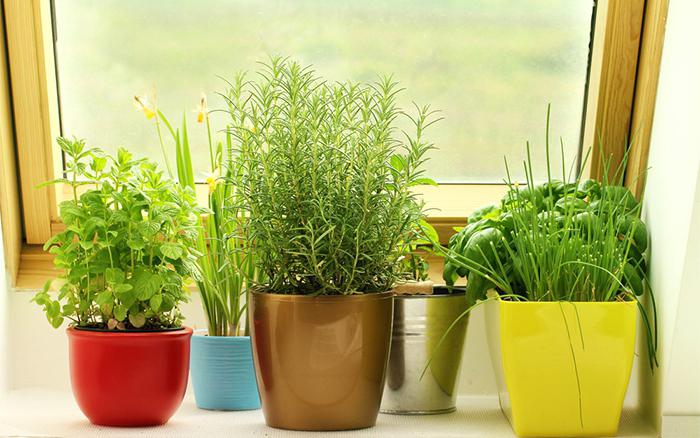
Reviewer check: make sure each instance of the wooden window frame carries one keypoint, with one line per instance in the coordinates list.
(620, 96)
(9, 189)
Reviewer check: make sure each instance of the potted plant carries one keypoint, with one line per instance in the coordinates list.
(422, 315)
(326, 182)
(125, 255)
(221, 361)
(566, 259)
(415, 266)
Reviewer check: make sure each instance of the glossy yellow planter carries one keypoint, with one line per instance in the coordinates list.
(562, 368)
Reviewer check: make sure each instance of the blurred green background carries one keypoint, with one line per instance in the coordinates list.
(490, 66)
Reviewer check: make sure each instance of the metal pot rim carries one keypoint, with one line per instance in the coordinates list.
(322, 298)
(457, 291)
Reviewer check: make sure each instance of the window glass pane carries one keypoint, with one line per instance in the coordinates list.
(490, 66)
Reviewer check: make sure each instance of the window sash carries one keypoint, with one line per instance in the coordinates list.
(606, 120)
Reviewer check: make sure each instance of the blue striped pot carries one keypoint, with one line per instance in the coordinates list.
(222, 372)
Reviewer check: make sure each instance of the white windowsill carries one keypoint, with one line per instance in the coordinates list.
(44, 413)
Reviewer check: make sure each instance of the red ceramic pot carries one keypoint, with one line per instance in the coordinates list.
(129, 378)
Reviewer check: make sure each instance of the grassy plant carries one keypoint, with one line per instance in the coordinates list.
(126, 249)
(225, 265)
(560, 240)
(326, 178)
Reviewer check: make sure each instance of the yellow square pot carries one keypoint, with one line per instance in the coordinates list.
(562, 368)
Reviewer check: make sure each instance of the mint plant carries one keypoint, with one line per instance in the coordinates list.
(126, 251)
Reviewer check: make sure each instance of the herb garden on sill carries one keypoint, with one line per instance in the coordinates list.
(309, 260)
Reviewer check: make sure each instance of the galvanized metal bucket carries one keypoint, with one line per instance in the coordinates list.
(420, 321)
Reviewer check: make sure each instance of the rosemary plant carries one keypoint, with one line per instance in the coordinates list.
(225, 264)
(326, 179)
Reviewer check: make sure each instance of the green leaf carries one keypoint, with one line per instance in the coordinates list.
(147, 285)
(54, 240)
(424, 182)
(122, 288)
(104, 298)
(171, 250)
(56, 321)
(137, 320)
(398, 162)
(114, 275)
(123, 156)
(429, 231)
(168, 303)
(98, 163)
(186, 158)
(70, 212)
(106, 308)
(120, 312)
(149, 228)
(136, 244)
(53, 309)
(155, 302)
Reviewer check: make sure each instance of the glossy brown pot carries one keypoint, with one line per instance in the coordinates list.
(320, 361)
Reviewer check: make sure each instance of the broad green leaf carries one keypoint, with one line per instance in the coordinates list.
(122, 288)
(136, 244)
(114, 275)
(98, 163)
(155, 302)
(398, 162)
(147, 285)
(56, 321)
(137, 320)
(106, 308)
(120, 312)
(53, 309)
(171, 250)
(104, 298)
(149, 228)
(429, 231)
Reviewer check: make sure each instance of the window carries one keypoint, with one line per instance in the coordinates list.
(491, 67)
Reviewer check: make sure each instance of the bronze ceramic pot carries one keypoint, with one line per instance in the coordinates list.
(320, 361)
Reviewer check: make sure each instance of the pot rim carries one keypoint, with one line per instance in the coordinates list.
(457, 291)
(608, 303)
(322, 298)
(204, 333)
(182, 331)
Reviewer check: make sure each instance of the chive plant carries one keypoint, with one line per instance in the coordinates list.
(326, 178)
(559, 240)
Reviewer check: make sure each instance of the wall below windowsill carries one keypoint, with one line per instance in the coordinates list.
(33, 412)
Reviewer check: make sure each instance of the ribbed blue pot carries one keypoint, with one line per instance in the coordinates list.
(223, 375)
